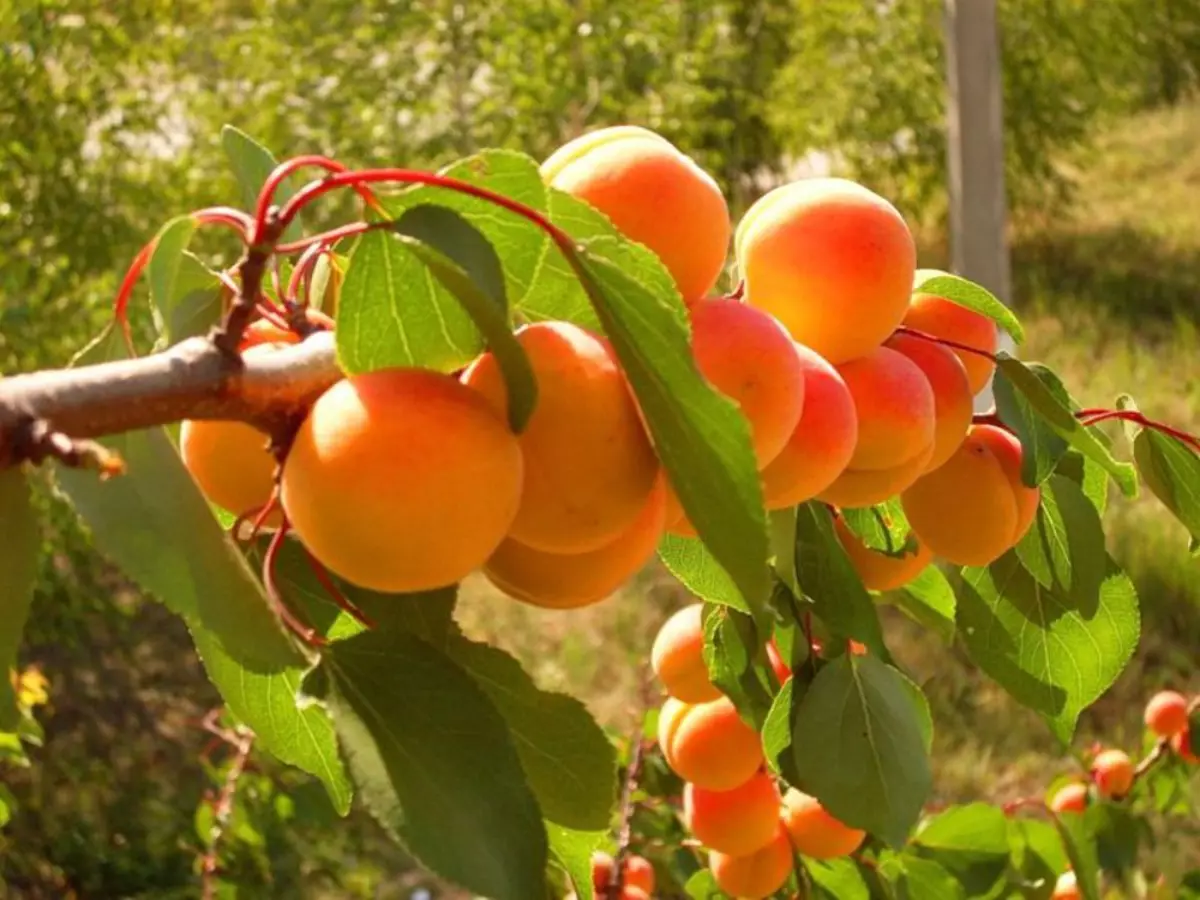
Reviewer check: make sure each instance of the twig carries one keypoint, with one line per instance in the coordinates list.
(242, 739)
(957, 345)
(625, 835)
(252, 268)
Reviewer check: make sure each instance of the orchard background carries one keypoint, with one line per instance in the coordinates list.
(112, 124)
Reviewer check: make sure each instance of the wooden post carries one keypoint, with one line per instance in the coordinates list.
(975, 144)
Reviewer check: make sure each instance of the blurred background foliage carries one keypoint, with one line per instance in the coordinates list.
(109, 122)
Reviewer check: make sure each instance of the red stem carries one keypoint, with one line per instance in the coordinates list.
(341, 600)
(331, 237)
(305, 632)
(925, 336)
(1095, 416)
(283, 170)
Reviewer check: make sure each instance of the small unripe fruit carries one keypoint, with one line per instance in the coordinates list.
(1167, 713)
(1112, 770)
(736, 822)
(755, 875)
(1066, 888)
(677, 656)
(1070, 798)
(708, 744)
(814, 832)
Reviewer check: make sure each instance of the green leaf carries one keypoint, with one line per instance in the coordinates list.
(19, 545)
(1080, 846)
(882, 527)
(1041, 446)
(573, 850)
(828, 578)
(1064, 548)
(1051, 655)
(1118, 833)
(568, 760)
(198, 304)
(460, 257)
(915, 878)
(165, 263)
(1060, 417)
(969, 841)
(703, 886)
(971, 295)
(870, 769)
(1037, 851)
(692, 563)
(435, 763)
(700, 436)
(837, 879)
(1172, 470)
(1189, 887)
(929, 600)
(1089, 475)
(326, 283)
(252, 164)
(734, 655)
(777, 731)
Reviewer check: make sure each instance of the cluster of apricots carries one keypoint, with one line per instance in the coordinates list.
(405, 479)
(731, 803)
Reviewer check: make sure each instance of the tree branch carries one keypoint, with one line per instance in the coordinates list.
(194, 379)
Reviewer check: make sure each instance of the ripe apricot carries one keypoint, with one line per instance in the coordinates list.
(1071, 797)
(814, 832)
(974, 507)
(1167, 713)
(878, 571)
(402, 480)
(1182, 746)
(944, 318)
(1112, 770)
(654, 194)
(1066, 887)
(755, 875)
(894, 404)
(821, 445)
(708, 744)
(589, 465)
(677, 656)
(737, 821)
(639, 874)
(832, 260)
(572, 580)
(953, 405)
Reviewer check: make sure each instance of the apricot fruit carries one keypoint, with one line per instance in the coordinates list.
(573, 580)
(677, 656)
(832, 260)
(975, 507)
(639, 874)
(755, 875)
(944, 318)
(402, 480)
(814, 832)
(878, 571)
(894, 405)
(1182, 746)
(1167, 713)
(589, 465)
(1066, 887)
(654, 194)
(708, 744)
(1071, 797)
(1112, 771)
(953, 403)
(738, 821)
(820, 447)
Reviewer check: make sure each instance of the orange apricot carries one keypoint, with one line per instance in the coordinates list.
(1066, 887)
(677, 656)
(573, 580)
(1167, 713)
(402, 480)
(814, 832)
(737, 821)
(832, 260)
(708, 744)
(755, 875)
(944, 318)
(1071, 797)
(820, 447)
(639, 874)
(654, 194)
(878, 571)
(953, 405)
(589, 465)
(894, 404)
(1112, 771)
(1182, 746)
(975, 507)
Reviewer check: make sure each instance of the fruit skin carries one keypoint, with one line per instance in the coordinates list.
(975, 507)
(832, 260)
(1167, 713)
(639, 875)
(654, 194)
(820, 447)
(894, 404)
(878, 571)
(1180, 744)
(814, 832)
(953, 404)
(736, 822)
(573, 580)
(1070, 798)
(756, 875)
(1112, 771)
(944, 318)
(677, 656)
(402, 480)
(708, 744)
(589, 465)
(1066, 888)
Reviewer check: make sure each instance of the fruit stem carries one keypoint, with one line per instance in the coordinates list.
(262, 207)
(306, 633)
(1096, 416)
(946, 342)
(341, 600)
